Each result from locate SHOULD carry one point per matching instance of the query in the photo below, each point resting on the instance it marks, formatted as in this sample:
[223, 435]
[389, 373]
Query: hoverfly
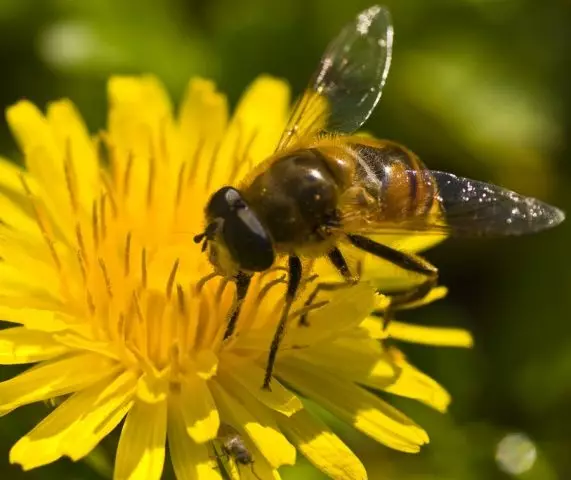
[325, 187]
[233, 447]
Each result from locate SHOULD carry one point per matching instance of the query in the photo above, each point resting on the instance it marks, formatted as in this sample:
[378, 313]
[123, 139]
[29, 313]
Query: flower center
[136, 287]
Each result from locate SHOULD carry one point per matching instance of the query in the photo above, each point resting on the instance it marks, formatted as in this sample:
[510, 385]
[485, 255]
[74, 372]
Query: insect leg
[254, 472]
[242, 283]
[294, 279]
[218, 457]
[405, 261]
[404, 298]
[336, 258]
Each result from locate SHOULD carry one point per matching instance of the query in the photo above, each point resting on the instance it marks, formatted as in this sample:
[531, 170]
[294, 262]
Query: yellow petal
[251, 419]
[15, 299]
[230, 467]
[52, 379]
[29, 251]
[198, 410]
[190, 460]
[345, 309]
[355, 359]
[412, 383]
[259, 469]
[78, 337]
[363, 361]
[35, 319]
[206, 363]
[17, 210]
[73, 138]
[139, 123]
[42, 445]
[25, 299]
[107, 408]
[204, 112]
[51, 438]
[434, 295]
[29, 127]
[141, 450]
[250, 377]
[10, 177]
[374, 328]
[30, 275]
[437, 293]
[362, 409]
[442, 337]
[16, 216]
[322, 447]
[139, 108]
[203, 120]
[254, 131]
[153, 388]
[20, 345]
[144, 91]
[411, 243]
[384, 275]
[44, 160]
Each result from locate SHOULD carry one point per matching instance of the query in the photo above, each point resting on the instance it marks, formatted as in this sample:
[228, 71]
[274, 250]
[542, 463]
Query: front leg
[294, 279]
[242, 284]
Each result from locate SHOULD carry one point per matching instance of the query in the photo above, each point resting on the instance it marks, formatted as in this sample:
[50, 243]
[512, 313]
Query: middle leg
[407, 262]
[338, 261]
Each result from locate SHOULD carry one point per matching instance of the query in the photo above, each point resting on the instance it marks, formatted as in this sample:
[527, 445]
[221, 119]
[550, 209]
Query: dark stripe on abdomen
[412, 191]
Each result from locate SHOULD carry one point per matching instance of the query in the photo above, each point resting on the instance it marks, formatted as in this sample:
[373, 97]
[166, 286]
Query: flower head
[121, 316]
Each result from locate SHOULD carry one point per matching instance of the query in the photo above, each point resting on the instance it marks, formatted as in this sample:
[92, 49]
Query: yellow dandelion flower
[115, 306]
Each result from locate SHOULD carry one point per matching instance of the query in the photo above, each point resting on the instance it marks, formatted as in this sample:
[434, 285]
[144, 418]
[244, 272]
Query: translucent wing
[225, 430]
[473, 208]
[396, 195]
[348, 83]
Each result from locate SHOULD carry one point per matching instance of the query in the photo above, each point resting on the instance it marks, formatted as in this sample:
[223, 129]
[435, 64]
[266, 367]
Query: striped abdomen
[396, 185]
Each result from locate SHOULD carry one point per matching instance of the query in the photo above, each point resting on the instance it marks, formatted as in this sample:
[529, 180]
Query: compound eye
[247, 240]
[232, 222]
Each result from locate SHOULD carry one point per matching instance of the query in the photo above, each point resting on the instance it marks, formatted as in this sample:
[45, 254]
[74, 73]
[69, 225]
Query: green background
[478, 87]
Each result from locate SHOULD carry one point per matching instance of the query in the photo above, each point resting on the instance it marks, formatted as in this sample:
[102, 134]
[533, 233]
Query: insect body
[233, 446]
[325, 187]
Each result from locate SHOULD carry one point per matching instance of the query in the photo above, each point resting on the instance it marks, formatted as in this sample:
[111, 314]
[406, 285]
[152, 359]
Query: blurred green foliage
[478, 87]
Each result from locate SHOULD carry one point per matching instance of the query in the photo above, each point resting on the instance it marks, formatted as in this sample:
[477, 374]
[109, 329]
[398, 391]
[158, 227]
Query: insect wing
[349, 81]
[460, 207]
[473, 208]
[226, 431]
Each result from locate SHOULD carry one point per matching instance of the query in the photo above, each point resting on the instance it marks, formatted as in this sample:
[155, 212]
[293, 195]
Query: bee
[325, 187]
[233, 447]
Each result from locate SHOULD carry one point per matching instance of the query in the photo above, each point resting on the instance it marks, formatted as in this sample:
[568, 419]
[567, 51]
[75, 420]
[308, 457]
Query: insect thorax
[296, 198]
